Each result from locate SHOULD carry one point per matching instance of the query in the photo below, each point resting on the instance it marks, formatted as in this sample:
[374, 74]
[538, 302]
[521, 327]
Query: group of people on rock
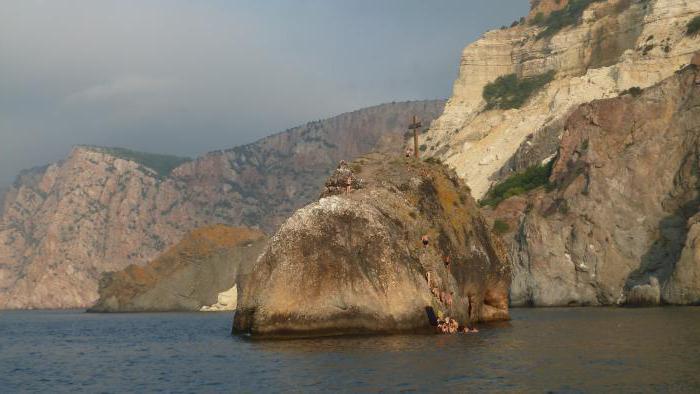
[448, 325]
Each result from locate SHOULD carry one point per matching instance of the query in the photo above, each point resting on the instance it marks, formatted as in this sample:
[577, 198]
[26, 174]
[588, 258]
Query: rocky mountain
[617, 222]
[578, 132]
[202, 271]
[102, 209]
[354, 262]
[519, 83]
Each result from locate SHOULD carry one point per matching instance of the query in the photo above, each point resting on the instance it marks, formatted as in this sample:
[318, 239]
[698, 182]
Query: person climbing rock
[435, 292]
[427, 276]
[425, 240]
[470, 324]
[447, 261]
[448, 299]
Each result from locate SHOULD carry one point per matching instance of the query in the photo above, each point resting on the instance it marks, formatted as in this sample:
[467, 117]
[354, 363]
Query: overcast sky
[187, 77]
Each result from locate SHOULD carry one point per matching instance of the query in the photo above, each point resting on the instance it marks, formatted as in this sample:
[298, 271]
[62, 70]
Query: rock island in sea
[354, 262]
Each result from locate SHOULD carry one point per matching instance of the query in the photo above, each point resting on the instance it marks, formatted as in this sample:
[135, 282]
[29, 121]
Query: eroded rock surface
[620, 225]
[354, 262]
[203, 270]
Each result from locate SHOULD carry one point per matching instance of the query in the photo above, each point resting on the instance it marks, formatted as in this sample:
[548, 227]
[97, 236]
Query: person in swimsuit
[448, 299]
[470, 326]
[435, 292]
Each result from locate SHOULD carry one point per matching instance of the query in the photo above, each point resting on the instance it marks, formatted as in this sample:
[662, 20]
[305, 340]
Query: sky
[187, 77]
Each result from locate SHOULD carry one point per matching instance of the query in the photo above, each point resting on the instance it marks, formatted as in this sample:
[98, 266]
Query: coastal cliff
[353, 261]
[565, 53]
[209, 264]
[576, 130]
[102, 209]
[617, 221]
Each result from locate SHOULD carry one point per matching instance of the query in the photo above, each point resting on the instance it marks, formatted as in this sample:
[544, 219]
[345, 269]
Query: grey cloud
[186, 77]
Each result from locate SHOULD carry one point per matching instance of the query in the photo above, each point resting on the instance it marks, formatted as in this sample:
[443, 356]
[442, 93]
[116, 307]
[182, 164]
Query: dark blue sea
[540, 350]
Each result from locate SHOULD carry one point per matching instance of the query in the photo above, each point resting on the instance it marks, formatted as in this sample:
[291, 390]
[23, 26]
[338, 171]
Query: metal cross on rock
[415, 126]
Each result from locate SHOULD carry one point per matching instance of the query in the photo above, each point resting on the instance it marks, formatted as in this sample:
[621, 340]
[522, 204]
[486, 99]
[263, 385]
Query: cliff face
[619, 222]
[103, 209]
[354, 263]
[188, 276]
[262, 184]
[610, 47]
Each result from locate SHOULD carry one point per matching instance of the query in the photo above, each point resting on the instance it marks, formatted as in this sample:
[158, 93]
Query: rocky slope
[353, 262]
[194, 274]
[102, 209]
[619, 222]
[594, 52]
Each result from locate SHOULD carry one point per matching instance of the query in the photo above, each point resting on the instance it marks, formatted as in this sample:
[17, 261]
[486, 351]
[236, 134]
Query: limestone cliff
[102, 209]
[595, 52]
[188, 276]
[618, 222]
[353, 261]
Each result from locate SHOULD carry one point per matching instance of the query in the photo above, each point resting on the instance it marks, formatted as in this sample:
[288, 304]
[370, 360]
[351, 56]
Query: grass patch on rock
[517, 184]
[161, 164]
[509, 91]
[558, 20]
[500, 226]
[693, 27]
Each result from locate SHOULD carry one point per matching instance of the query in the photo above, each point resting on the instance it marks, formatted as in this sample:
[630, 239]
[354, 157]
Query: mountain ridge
[66, 223]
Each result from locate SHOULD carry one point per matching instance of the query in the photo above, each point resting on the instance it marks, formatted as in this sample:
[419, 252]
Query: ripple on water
[566, 350]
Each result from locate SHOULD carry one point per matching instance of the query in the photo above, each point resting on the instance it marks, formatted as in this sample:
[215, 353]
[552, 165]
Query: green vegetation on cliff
[500, 226]
[557, 20]
[693, 26]
[516, 184]
[161, 164]
[509, 91]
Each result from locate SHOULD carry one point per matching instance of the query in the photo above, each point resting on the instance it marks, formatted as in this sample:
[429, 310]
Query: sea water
[557, 350]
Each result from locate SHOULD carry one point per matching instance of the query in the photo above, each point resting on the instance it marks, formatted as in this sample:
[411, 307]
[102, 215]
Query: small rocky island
[392, 245]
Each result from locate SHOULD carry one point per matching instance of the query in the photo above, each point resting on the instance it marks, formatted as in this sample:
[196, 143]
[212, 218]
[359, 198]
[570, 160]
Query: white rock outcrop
[226, 301]
[619, 44]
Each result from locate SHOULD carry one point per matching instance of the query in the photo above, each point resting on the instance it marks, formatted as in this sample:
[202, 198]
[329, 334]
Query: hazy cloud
[120, 88]
[186, 77]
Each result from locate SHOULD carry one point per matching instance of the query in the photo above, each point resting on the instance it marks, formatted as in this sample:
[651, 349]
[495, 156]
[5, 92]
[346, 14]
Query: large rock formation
[201, 270]
[102, 209]
[612, 46]
[619, 223]
[353, 262]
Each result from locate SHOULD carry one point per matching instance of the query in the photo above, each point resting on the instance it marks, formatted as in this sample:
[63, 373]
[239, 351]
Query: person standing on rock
[425, 240]
[448, 299]
[471, 326]
[447, 261]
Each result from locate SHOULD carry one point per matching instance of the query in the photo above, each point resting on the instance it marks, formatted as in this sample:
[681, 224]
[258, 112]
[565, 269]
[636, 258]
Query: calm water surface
[561, 350]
